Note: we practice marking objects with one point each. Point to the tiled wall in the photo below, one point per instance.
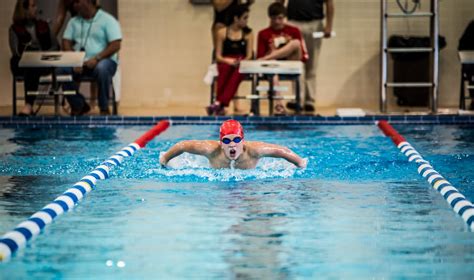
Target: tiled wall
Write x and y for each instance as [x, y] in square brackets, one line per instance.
[167, 48]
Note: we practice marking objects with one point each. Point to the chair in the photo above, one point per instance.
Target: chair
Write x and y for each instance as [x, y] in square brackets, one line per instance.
[272, 89]
[47, 99]
[53, 99]
[16, 79]
[254, 108]
[288, 70]
[462, 96]
[467, 69]
[113, 101]
[115, 92]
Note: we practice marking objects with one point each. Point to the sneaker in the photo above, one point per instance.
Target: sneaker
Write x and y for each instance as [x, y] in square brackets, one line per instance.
[213, 109]
[291, 105]
[83, 110]
[104, 112]
[221, 112]
[309, 107]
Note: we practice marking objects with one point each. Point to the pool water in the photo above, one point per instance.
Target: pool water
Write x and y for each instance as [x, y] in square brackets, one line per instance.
[359, 210]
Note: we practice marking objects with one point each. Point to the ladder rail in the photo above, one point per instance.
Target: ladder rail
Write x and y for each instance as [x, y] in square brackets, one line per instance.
[402, 15]
[383, 58]
[433, 50]
[408, 50]
[434, 22]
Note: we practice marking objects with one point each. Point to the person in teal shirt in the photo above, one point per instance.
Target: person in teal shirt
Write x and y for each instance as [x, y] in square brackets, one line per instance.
[98, 34]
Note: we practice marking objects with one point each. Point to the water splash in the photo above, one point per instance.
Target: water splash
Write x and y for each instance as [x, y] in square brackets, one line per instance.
[198, 166]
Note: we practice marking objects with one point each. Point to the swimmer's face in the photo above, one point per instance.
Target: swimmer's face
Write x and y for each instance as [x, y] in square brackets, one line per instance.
[232, 150]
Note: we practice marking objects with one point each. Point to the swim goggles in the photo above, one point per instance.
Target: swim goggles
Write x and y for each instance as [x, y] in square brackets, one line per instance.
[227, 140]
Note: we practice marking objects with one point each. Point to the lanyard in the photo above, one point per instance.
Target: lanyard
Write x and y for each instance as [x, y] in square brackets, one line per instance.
[84, 41]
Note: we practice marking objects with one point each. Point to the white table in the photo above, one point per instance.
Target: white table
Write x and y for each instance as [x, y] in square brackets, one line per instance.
[52, 60]
[283, 67]
[291, 68]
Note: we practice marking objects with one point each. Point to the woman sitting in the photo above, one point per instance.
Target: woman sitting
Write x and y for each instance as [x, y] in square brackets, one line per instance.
[29, 33]
[233, 44]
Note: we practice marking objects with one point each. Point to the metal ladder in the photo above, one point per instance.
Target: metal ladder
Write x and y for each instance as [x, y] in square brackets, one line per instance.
[433, 49]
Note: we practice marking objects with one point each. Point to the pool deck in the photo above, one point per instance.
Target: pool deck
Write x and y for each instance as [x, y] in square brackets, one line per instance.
[193, 115]
[94, 121]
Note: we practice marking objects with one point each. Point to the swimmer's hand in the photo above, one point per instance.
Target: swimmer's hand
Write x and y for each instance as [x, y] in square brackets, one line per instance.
[303, 163]
[163, 162]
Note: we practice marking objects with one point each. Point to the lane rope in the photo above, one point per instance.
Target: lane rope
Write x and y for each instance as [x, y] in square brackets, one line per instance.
[30, 228]
[455, 199]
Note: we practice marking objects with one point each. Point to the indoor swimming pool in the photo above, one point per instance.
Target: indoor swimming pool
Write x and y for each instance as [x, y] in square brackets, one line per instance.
[359, 210]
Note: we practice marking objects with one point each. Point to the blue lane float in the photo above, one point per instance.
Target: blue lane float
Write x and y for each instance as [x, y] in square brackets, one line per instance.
[455, 199]
[18, 237]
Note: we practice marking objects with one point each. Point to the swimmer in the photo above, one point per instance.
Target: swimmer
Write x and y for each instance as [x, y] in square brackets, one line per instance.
[232, 151]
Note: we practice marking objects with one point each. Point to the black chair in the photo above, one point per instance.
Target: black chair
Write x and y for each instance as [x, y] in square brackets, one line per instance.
[16, 79]
[45, 99]
[53, 99]
[112, 100]
[467, 71]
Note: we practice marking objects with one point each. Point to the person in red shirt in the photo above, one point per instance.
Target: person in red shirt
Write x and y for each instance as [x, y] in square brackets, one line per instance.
[280, 41]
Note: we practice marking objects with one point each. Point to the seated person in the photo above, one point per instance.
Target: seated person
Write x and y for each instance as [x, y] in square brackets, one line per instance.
[29, 33]
[98, 34]
[234, 43]
[280, 41]
[466, 43]
[231, 151]
[222, 18]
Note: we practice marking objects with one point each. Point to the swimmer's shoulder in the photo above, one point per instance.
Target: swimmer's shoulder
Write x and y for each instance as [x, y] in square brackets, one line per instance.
[254, 147]
[212, 147]
[202, 147]
[255, 144]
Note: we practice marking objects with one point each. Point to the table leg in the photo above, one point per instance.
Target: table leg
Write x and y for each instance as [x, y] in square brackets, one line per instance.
[271, 93]
[462, 102]
[298, 96]
[54, 89]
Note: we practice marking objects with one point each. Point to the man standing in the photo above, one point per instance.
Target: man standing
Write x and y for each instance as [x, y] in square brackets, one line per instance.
[98, 34]
[308, 16]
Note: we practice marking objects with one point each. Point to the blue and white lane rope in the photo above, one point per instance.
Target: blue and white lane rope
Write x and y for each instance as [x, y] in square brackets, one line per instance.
[455, 199]
[30, 228]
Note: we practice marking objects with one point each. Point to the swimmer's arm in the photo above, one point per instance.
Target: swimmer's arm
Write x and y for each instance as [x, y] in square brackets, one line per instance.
[196, 147]
[276, 151]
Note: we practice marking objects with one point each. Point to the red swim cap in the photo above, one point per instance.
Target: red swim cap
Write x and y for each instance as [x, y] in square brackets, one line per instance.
[231, 127]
